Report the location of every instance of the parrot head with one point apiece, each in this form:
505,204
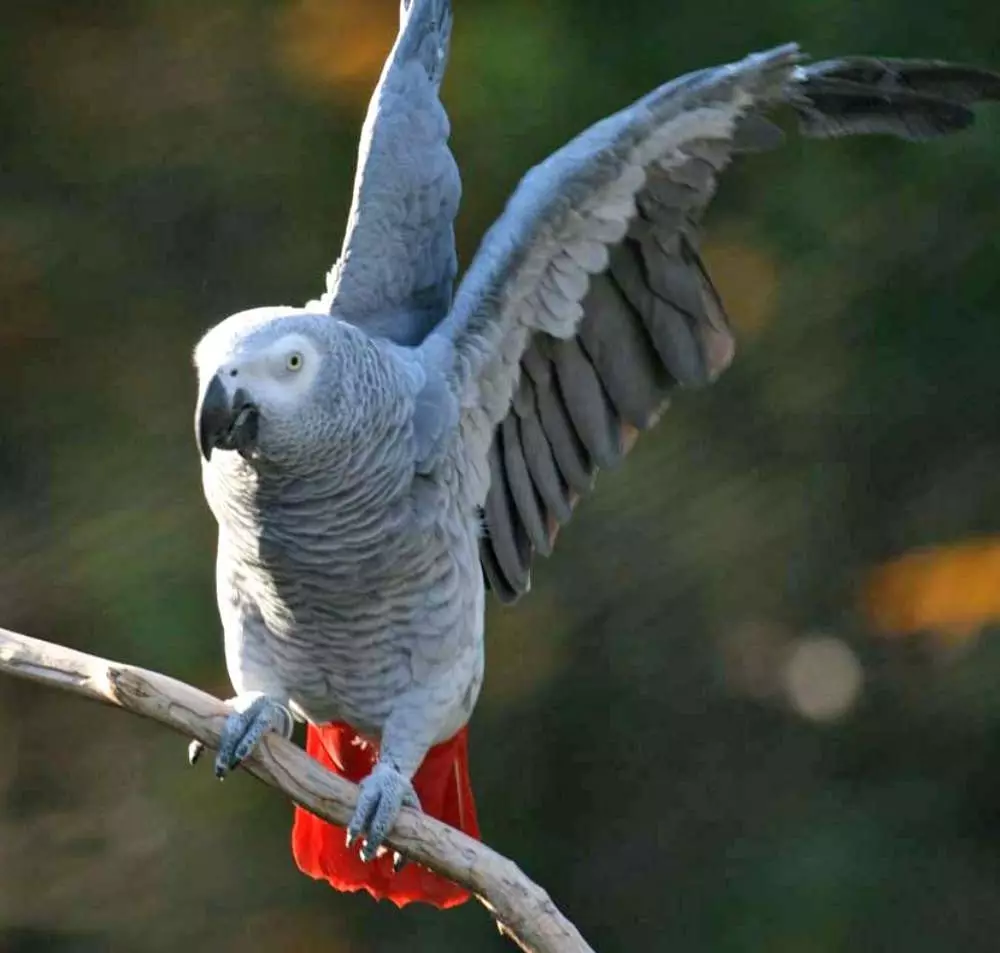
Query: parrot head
271,381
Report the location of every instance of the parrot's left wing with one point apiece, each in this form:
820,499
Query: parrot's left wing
587,302
397,266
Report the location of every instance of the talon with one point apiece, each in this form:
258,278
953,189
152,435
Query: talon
223,766
398,861
382,794
352,838
195,750
252,716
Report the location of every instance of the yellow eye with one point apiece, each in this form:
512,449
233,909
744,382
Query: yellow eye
294,361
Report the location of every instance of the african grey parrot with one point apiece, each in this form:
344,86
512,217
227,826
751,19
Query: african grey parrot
391,449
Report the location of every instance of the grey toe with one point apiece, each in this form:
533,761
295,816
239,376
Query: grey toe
253,716
382,795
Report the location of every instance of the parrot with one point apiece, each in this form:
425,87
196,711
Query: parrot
382,458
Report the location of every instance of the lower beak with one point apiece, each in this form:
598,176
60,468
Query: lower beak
224,422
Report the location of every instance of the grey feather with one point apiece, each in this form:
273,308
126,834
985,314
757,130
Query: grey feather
621,350
621,204
966,85
539,457
506,533
575,464
529,508
912,99
396,270
495,578
589,408
755,133
670,328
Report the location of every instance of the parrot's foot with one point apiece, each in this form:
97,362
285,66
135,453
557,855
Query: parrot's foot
382,795
253,715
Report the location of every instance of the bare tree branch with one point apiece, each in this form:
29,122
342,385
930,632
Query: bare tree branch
523,910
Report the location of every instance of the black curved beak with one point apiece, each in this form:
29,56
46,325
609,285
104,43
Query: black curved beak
223,422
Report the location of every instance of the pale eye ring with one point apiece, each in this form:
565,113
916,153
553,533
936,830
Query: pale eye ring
294,361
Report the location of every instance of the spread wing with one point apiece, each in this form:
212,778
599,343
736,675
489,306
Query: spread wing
587,302
396,270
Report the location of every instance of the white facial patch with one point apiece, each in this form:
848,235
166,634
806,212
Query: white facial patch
276,375
228,339
283,373
248,351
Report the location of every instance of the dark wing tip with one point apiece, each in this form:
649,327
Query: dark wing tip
911,99
953,81
840,107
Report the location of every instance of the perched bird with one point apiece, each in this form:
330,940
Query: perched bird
380,457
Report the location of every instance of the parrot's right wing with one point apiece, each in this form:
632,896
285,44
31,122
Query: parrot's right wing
397,267
587,302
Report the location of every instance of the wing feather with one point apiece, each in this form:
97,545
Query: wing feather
575,464
588,405
529,507
623,354
506,533
540,459
396,270
588,303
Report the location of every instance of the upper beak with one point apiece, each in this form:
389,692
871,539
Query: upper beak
229,423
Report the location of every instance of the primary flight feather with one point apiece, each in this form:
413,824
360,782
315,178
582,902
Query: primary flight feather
377,458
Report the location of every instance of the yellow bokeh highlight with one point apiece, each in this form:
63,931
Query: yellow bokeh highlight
951,590
746,278
337,47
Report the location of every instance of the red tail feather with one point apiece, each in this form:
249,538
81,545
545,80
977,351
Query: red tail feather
441,783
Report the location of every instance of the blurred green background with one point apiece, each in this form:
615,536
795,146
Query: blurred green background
749,706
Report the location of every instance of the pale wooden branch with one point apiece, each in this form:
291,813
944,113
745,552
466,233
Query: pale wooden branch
523,910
